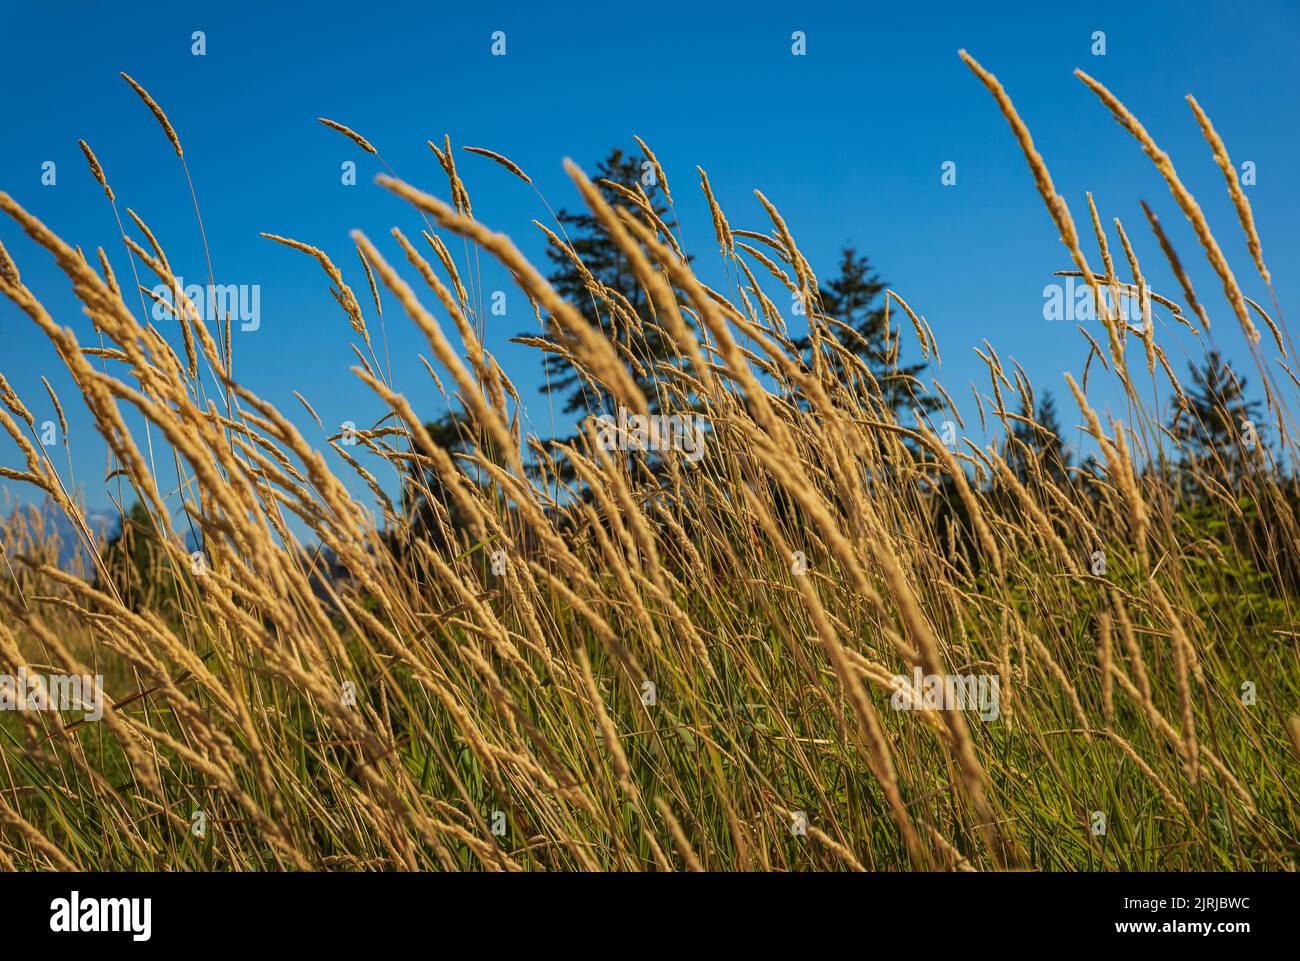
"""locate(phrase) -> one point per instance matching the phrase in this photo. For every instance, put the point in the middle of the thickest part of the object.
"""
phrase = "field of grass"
(584, 659)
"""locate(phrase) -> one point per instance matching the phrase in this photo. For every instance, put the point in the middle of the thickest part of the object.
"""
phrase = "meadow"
(555, 656)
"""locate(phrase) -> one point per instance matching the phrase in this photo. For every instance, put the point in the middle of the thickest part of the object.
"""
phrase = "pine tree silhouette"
(603, 262)
(853, 298)
(424, 493)
(1219, 423)
(1042, 443)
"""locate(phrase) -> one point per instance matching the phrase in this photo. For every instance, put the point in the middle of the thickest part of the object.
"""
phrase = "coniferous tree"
(1042, 442)
(1219, 422)
(604, 262)
(854, 299)
(423, 489)
(138, 565)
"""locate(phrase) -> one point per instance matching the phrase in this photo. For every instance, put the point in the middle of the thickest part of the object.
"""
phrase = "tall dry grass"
(426, 712)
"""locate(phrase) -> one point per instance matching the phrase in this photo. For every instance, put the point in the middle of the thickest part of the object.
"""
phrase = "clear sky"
(849, 141)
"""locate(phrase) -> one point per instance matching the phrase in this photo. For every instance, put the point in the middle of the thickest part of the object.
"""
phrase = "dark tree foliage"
(854, 299)
(138, 566)
(1219, 421)
(423, 489)
(1041, 443)
(609, 266)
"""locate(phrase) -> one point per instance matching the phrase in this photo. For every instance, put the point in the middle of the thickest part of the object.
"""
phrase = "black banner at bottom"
(342, 911)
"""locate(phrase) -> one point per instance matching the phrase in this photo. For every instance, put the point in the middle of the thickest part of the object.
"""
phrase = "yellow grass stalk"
(1182, 196)
(506, 162)
(659, 170)
(96, 169)
(1239, 201)
(158, 114)
(351, 134)
(593, 349)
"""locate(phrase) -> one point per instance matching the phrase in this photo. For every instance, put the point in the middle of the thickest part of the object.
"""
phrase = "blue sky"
(848, 141)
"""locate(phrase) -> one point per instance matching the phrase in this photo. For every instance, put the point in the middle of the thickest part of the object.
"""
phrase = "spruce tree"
(604, 262)
(854, 299)
(422, 486)
(139, 566)
(1219, 422)
(1042, 442)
